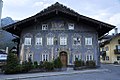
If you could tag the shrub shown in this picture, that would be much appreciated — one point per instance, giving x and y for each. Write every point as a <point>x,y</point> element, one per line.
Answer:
<point>78,63</point>
<point>48,66</point>
<point>41,66</point>
<point>115,62</point>
<point>90,63</point>
<point>18,69</point>
<point>27,66</point>
<point>35,64</point>
<point>12,64</point>
<point>57,63</point>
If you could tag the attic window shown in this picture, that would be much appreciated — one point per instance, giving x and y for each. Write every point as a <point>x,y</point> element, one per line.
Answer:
<point>44,26</point>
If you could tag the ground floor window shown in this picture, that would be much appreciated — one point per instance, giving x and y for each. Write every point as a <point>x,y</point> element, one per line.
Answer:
<point>107,58</point>
<point>45,57</point>
<point>118,57</point>
<point>103,58</point>
<point>77,56</point>
<point>29,57</point>
<point>89,57</point>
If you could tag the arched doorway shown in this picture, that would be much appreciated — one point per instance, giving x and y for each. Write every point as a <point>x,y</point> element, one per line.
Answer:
<point>63,58</point>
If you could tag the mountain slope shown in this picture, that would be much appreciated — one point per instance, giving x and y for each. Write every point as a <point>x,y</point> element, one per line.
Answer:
<point>5,37</point>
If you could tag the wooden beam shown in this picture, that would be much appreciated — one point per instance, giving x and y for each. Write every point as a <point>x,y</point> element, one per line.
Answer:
<point>77,18</point>
<point>35,19</point>
<point>14,27</point>
<point>56,11</point>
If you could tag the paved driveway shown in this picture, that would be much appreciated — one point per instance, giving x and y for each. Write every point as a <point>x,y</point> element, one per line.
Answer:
<point>113,73</point>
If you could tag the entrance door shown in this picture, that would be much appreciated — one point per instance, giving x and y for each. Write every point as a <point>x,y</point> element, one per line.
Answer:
<point>63,58</point>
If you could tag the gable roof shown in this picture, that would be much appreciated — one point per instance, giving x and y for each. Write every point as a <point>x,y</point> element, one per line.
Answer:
<point>54,10</point>
<point>109,39</point>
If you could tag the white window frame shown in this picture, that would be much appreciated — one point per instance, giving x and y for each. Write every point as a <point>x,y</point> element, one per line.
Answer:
<point>89,57</point>
<point>107,58</point>
<point>27,41</point>
<point>63,40</point>
<point>77,41</point>
<point>71,26</point>
<point>38,41</point>
<point>44,26</point>
<point>79,56</point>
<point>50,40</point>
<point>88,41</point>
<point>45,57</point>
<point>27,56</point>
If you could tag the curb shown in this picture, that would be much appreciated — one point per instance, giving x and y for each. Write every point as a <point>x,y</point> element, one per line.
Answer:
<point>58,74</point>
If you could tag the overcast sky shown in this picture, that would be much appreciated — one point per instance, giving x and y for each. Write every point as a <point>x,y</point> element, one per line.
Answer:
<point>104,10</point>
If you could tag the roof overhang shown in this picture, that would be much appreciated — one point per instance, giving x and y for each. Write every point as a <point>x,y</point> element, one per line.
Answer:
<point>62,11</point>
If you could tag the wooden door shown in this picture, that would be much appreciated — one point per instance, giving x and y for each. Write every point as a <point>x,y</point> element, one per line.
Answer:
<point>63,58</point>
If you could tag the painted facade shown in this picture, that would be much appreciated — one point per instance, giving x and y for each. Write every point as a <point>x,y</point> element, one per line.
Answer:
<point>58,31</point>
<point>80,32</point>
<point>111,49</point>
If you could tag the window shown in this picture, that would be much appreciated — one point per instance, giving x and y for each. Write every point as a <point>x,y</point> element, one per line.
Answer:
<point>117,46</point>
<point>63,40</point>
<point>27,41</point>
<point>102,48</point>
<point>45,57</point>
<point>76,41</point>
<point>118,57</point>
<point>71,26</point>
<point>106,48</point>
<point>88,41</point>
<point>103,58</point>
<point>77,56</point>
<point>44,26</point>
<point>39,41</point>
<point>29,57</point>
<point>107,57</point>
<point>89,57</point>
<point>50,41</point>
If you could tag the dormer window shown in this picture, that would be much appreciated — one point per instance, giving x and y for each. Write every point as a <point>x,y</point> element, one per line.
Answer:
<point>44,26</point>
<point>71,26</point>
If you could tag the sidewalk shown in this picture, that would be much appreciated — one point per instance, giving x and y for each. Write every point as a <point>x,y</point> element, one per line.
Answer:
<point>46,74</point>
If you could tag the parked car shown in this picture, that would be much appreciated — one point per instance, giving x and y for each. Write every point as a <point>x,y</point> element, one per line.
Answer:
<point>3,58</point>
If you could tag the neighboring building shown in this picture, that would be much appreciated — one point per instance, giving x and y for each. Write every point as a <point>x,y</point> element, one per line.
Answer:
<point>1,5</point>
<point>110,49</point>
<point>59,31</point>
<point>3,57</point>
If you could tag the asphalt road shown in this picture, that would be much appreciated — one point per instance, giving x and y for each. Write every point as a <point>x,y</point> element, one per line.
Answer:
<point>112,74</point>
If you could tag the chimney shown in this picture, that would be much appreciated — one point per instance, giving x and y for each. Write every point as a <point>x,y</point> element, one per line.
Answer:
<point>116,31</point>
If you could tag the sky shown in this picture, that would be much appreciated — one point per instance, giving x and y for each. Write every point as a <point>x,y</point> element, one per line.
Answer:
<point>104,10</point>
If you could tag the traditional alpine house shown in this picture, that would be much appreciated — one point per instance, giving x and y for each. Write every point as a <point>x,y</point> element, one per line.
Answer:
<point>59,31</point>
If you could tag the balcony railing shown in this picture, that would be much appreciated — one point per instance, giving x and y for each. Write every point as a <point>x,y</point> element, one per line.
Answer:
<point>117,51</point>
